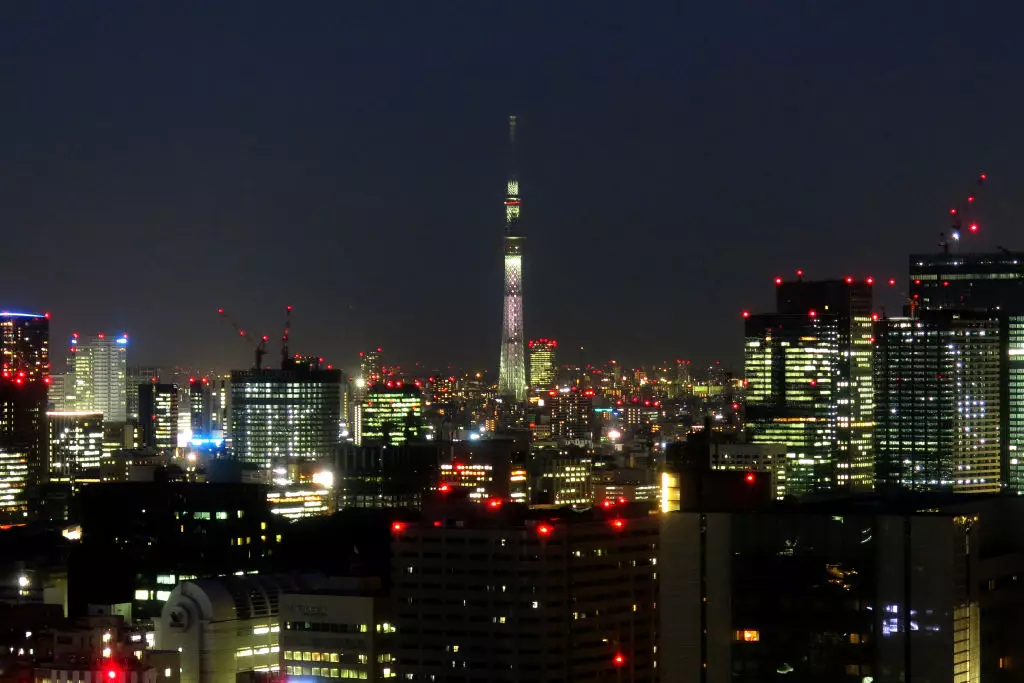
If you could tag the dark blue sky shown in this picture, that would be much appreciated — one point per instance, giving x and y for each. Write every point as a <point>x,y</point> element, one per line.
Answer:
<point>158,160</point>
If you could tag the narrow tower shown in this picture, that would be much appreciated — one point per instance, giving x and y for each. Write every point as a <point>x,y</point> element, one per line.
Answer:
<point>512,371</point>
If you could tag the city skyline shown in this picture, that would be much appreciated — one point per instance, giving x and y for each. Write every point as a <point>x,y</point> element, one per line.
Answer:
<point>321,130</point>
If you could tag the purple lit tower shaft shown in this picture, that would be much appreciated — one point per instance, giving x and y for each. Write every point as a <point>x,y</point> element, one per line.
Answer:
<point>512,371</point>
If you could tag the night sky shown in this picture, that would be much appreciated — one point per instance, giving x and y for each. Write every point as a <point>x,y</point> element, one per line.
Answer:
<point>159,160</point>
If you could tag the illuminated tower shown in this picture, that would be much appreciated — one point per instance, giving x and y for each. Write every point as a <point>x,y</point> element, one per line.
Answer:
<point>512,371</point>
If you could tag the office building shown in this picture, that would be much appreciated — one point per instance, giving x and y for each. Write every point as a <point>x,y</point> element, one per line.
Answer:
<point>200,401</point>
<point>158,415</point>
<point>101,374</point>
<point>62,392</point>
<point>24,381</point>
<point>340,631</point>
<point>370,367</point>
<point>505,593</point>
<point>279,414</point>
<point>137,375</point>
<point>512,367</point>
<point>542,363</point>
<point>847,591</point>
<point>992,282</point>
<point>377,476</point>
<point>938,404</point>
<point>561,476</point>
<point>76,447</point>
<point>389,415</point>
<point>809,382</point>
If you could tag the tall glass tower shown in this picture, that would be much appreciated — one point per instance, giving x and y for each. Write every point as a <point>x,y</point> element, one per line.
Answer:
<point>512,371</point>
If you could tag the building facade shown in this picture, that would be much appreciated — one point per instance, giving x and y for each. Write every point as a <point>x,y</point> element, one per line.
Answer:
<point>542,354</point>
<point>808,371</point>
<point>938,404</point>
<point>508,594</point>
<point>24,384</point>
<point>158,415</point>
<point>278,414</point>
<point>389,415</point>
<point>101,374</point>
<point>76,447</point>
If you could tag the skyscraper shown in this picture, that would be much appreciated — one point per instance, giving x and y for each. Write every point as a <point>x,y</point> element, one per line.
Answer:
<point>158,415</point>
<point>24,381</point>
<point>101,371</point>
<point>993,283</point>
<point>938,401</point>
<point>808,374</point>
<point>512,370</point>
<point>200,401</point>
<point>292,413</point>
<point>542,363</point>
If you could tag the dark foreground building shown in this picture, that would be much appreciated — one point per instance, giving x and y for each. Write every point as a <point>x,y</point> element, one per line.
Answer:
<point>922,590</point>
<point>503,593</point>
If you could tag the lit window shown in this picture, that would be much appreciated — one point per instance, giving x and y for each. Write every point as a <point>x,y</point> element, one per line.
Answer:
<point>748,636</point>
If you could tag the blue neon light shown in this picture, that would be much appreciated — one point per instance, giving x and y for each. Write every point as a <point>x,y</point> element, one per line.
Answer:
<point>207,441</point>
<point>122,340</point>
<point>12,314</point>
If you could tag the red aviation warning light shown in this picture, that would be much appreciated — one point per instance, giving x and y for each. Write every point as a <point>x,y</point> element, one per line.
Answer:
<point>398,527</point>
<point>973,227</point>
<point>746,314</point>
<point>619,659</point>
<point>849,280</point>
<point>813,313</point>
<point>544,529</point>
<point>750,478</point>
<point>618,523</point>
<point>892,282</point>
<point>869,280</point>
<point>778,280</point>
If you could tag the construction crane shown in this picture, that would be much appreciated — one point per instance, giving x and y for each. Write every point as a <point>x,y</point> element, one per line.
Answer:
<point>260,347</point>
<point>956,215</point>
<point>286,360</point>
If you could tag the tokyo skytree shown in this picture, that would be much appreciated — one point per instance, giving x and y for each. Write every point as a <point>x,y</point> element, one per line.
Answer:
<point>512,371</point>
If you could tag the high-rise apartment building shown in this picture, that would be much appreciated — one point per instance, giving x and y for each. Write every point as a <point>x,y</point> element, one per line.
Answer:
<point>158,419</point>
<point>76,447</point>
<point>512,368</point>
<point>994,283</point>
<point>542,363</point>
<point>572,412</point>
<point>938,403</point>
<point>278,414</point>
<point>24,381</point>
<point>809,382</point>
<point>101,373</point>
<point>389,415</point>
<point>502,593</point>
<point>62,392</point>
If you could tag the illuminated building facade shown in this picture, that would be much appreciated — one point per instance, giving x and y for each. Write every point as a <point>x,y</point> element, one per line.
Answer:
<point>808,371</point>
<point>279,414</point>
<point>938,402</point>
<point>541,595</point>
<point>24,384</point>
<point>561,477</point>
<point>353,638</point>
<point>512,368</point>
<point>76,447</point>
<point>389,415</point>
<point>369,366</point>
<point>572,412</point>
<point>200,403</point>
<point>542,363</point>
<point>992,282</point>
<point>101,375</point>
<point>158,421</point>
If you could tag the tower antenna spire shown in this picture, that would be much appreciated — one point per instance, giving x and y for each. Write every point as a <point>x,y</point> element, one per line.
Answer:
<point>512,369</point>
